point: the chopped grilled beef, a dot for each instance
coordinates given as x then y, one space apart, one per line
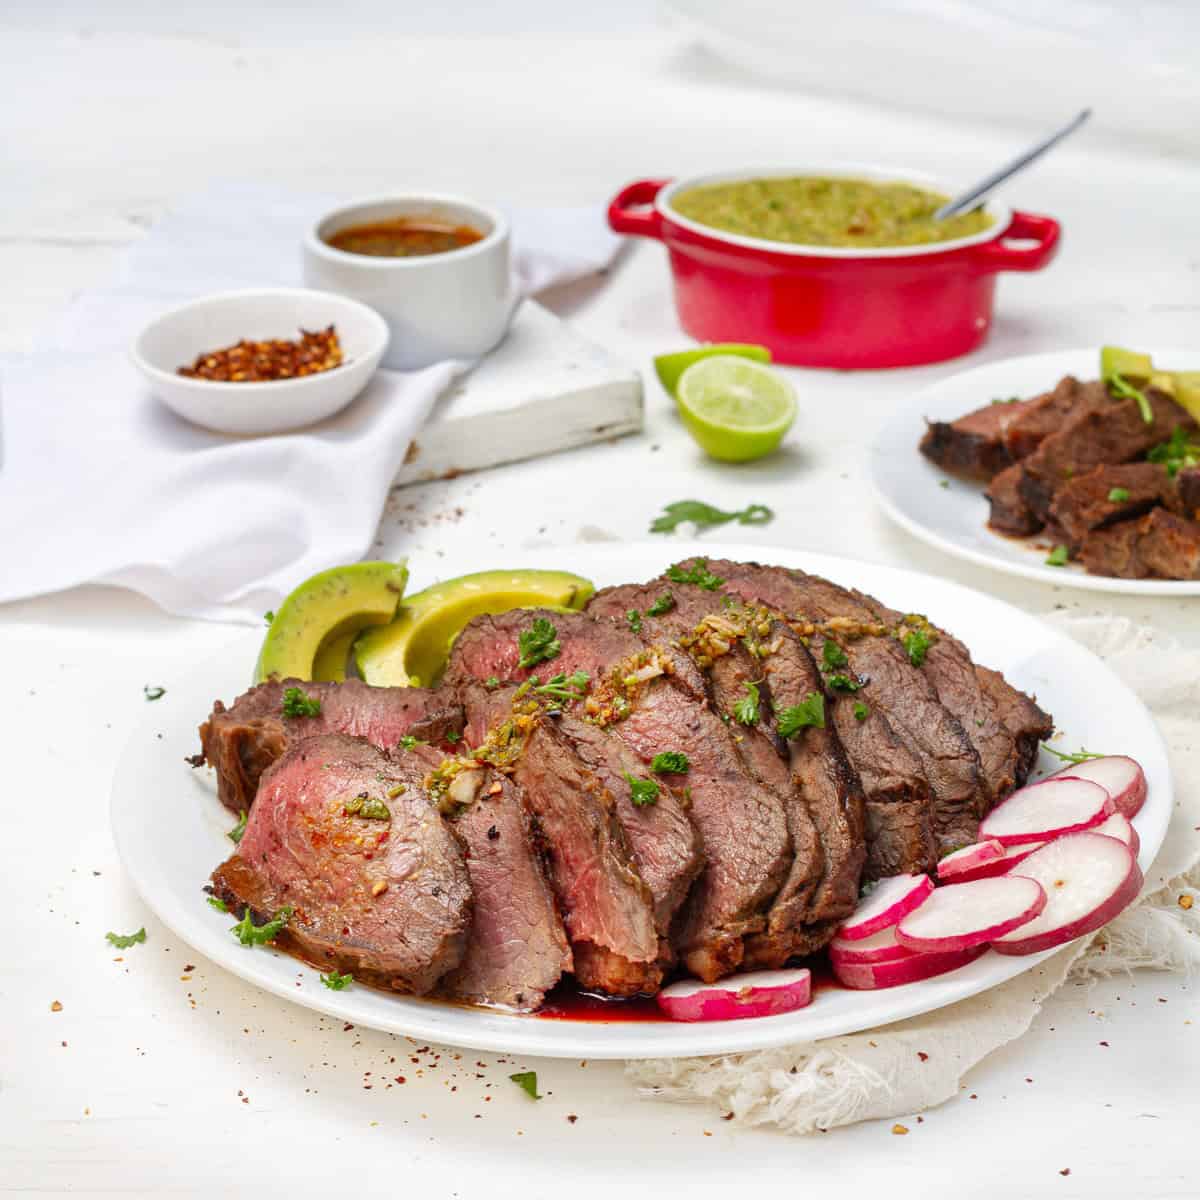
1049 412
1020 715
1113 433
889 682
974 446
375 877
1086 502
1161 545
1114 551
242 741
742 826
1008 511
1187 486
516 948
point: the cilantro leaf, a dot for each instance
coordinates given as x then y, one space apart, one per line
1079 756
371 808
810 711
663 604
408 741
269 615
492 681
833 655
337 983
1118 495
861 711
564 687
698 573
843 683
527 1082
635 620
123 941
538 643
745 711
1119 386
1176 453
705 516
153 693
642 791
453 736
235 834
297 704
218 904
669 762
917 643
1058 557
250 934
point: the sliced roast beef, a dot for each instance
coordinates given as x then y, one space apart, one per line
1021 716
1112 433
654 701
1008 512
1161 545
1105 495
516 947
1115 551
974 446
242 741
1187 486
376 880
1049 412
889 682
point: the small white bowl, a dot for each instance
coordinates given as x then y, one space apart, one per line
457 304
179 337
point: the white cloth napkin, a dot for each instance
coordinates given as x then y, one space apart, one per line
100 483
918 1063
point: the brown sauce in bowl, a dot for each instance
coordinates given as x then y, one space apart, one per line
403 237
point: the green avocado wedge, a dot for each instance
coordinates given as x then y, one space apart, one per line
669 367
1134 367
322 612
412 650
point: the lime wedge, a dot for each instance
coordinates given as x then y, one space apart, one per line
671 366
736 409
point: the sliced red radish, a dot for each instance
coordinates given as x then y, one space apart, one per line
879 947
971 914
969 857
754 994
1046 810
1118 827
897 971
886 903
1088 879
998 866
1120 777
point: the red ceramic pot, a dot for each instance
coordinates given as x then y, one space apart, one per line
821 306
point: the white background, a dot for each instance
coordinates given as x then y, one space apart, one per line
107 113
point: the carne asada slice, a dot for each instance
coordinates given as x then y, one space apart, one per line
1113 433
1115 552
1160 545
242 741
1008 511
347 839
1020 715
974 446
888 681
516 949
1187 485
654 700
1048 413
1106 495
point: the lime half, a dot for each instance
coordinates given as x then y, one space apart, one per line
736 409
669 367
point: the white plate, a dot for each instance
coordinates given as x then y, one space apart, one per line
954 517
170 829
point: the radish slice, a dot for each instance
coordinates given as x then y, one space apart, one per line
879 947
897 971
971 914
1120 777
1088 879
754 994
998 866
1118 827
887 902
1046 810
969 857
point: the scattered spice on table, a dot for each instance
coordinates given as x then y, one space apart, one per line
266 362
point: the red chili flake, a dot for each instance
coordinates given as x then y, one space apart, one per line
1065 1171
1104 1043
572 1118
257 362
347 1027
922 1056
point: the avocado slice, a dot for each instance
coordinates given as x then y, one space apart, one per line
1187 391
342 600
412 650
329 666
1129 364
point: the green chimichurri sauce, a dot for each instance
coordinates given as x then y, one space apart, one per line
812 211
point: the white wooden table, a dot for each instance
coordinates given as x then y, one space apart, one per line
163 1075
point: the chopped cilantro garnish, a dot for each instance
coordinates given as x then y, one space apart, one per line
833 655
1121 387
698 573
917 643
1079 756
369 807
642 791
538 643
564 687
337 983
250 934
153 693
1176 453
269 615
843 683
663 604
810 711
1118 495
635 620
861 711
408 741
943 483
218 904
123 941
1058 557
705 516
453 736
745 711
1009 400
235 834
669 762
527 1082
398 790
297 704
492 681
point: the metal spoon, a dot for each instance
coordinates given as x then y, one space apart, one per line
971 198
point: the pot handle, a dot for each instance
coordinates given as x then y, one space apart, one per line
637 195
1042 231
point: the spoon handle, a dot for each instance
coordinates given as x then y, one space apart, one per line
969 199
